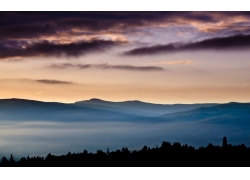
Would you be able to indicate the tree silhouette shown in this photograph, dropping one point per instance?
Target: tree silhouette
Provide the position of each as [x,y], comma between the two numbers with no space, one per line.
[4,160]
[166,155]
[224,142]
[11,159]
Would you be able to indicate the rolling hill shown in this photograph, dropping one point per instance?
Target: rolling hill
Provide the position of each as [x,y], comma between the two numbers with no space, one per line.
[132,111]
[236,113]
[142,108]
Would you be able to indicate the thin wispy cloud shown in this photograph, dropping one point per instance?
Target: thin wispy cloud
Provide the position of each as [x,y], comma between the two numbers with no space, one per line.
[185,62]
[49,81]
[106,66]
[43,81]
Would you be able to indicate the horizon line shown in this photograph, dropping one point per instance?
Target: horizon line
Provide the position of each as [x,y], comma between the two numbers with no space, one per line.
[121,101]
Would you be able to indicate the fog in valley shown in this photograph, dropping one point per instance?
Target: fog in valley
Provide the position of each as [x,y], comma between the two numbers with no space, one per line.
[43,137]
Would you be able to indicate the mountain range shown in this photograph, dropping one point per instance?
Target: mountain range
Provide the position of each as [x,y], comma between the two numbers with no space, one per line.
[100,110]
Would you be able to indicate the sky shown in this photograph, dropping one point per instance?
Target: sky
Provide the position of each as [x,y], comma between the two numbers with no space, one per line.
[159,57]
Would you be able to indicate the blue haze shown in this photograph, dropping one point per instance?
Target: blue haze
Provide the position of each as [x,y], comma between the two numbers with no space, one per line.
[37,128]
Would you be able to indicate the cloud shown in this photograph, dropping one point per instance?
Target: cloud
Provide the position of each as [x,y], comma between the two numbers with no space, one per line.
[237,42]
[16,25]
[26,31]
[36,24]
[49,81]
[107,66]
[186,62]
[47,48]
[32,34]
[69,65]
[133,68]
[44,81]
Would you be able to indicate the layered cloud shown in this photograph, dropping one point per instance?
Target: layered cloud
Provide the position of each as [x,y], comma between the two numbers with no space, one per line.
[46,48]
[107,66]
[26,31]
[237,42]
[32,34]
[34,24]
[19,25]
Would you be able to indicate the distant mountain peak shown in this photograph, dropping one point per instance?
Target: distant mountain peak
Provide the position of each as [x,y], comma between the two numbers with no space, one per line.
[135,101]
[95,99]
[233,103]
[19,100]
[100,100]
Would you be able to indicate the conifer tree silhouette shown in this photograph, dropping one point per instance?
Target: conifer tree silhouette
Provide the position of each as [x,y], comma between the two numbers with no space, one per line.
[224,142]
[11,159]
[4,160]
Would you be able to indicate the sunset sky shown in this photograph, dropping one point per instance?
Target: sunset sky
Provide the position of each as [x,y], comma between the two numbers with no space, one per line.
[158,57]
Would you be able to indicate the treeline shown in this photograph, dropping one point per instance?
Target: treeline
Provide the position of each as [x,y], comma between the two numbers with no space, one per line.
[168,155]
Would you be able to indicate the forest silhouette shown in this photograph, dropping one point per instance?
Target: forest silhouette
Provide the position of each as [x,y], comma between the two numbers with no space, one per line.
[167,155]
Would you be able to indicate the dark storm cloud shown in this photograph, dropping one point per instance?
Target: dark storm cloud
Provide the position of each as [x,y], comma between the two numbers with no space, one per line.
[26,31]
[37,24]
[48,81]
[237,42]
[46,48]
[107,66]
[15,25]
[30,29]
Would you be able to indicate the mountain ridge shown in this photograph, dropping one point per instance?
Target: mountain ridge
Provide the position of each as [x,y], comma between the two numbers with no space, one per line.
[221,113]
[132,111]
[101,100]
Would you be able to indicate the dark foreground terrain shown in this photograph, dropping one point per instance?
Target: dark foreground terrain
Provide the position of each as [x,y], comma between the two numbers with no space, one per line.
[168,155]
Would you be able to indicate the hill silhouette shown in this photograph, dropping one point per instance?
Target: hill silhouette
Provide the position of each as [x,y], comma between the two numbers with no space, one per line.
[132,111]
[144,108]
[230,113]
[91,110]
